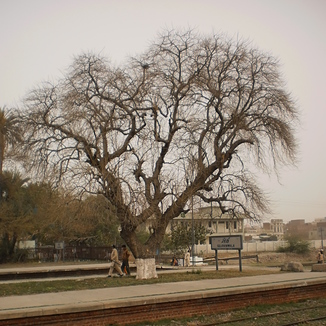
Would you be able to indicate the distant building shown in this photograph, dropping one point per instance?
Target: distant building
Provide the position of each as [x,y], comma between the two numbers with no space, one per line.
[211,218]
[251,232]
[274,229]
[268,231]
[299,229]
[318,230]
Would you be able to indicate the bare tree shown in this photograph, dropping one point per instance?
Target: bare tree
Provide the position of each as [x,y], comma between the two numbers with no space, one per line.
[191,117]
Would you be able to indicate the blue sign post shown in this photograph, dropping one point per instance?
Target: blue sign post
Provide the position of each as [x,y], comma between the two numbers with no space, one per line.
[227,242]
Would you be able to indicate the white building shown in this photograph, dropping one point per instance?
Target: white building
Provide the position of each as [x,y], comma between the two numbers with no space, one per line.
[212,219]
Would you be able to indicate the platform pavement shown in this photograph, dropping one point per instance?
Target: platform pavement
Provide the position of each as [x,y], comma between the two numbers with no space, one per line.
[102,268]
[88,300]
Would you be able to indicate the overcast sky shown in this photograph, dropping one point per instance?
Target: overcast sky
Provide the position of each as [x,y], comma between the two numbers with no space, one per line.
[39,38]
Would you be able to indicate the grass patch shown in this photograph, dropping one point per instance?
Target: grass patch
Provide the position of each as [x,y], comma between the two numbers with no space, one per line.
[35,287]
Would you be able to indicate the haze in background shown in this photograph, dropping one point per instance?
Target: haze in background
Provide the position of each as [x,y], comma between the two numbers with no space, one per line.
[39,38]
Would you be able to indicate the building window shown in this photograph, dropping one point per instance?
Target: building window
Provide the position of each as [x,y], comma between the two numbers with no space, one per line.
[235,225]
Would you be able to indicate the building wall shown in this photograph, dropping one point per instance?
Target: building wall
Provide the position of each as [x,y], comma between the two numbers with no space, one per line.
[212,219]
[318,231]
[298,228]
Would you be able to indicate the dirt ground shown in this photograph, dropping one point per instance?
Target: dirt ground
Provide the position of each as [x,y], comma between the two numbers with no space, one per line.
[279,257]
[273,258]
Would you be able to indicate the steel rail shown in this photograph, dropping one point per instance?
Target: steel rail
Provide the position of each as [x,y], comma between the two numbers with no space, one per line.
[272,315]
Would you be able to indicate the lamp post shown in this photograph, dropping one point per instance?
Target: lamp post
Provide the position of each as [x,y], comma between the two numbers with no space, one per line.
[192,225]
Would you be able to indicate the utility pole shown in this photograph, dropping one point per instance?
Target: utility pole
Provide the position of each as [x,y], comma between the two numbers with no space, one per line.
[192,227]
[321,236]
[192,230]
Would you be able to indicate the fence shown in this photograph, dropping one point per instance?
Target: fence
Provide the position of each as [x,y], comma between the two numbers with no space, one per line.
[102,253]
[70,253]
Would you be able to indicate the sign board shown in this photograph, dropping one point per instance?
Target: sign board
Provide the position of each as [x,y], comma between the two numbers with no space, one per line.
[26,244]
[225,242]
[59,245]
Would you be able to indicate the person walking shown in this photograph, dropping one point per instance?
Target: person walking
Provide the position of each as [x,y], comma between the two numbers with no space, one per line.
[174,261]
[115,264]
[125,260]
[187,258]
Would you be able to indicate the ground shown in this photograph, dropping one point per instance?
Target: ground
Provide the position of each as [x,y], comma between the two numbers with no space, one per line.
[279,257]
[273,258]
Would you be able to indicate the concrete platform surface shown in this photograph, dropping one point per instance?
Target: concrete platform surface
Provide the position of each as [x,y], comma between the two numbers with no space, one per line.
[88,300]
[83,271]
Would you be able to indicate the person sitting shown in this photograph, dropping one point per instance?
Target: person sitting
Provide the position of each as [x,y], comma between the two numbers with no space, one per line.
[320,257]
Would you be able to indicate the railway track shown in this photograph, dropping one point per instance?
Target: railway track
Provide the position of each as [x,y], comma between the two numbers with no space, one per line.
[292,317]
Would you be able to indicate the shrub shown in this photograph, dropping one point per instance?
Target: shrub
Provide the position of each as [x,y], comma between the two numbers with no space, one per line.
[20,256]
[295,245]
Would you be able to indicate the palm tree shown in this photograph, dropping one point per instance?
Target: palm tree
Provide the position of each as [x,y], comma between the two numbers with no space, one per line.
[14,212]
[10,133]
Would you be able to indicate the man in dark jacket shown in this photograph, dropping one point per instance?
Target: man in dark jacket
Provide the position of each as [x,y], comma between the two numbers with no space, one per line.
[125,260]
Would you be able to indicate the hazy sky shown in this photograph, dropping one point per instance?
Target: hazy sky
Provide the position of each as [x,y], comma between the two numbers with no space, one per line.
[39,38]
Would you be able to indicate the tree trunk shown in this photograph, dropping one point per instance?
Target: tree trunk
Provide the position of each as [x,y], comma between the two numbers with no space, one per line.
[144,253]
[146,268]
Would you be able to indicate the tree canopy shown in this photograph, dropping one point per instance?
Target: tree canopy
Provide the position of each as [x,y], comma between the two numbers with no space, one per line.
[190,117]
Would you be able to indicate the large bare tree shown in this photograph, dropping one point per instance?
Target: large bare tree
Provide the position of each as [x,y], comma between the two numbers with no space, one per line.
[192,116]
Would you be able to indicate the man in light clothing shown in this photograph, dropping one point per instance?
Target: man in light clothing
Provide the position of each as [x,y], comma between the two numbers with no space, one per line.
[187,259]
[115,264]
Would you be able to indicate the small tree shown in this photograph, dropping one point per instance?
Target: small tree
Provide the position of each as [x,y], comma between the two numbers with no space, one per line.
[63,217]
[182,236]
[296,245]
[189,118]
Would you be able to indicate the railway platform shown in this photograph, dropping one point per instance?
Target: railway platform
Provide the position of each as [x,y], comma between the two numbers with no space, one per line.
[124,305]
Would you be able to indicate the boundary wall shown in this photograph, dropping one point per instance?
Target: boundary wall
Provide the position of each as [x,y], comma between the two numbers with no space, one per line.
[265,246]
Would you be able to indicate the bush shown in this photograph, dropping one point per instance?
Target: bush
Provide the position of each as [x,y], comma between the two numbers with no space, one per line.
[296,246]
[20,256]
